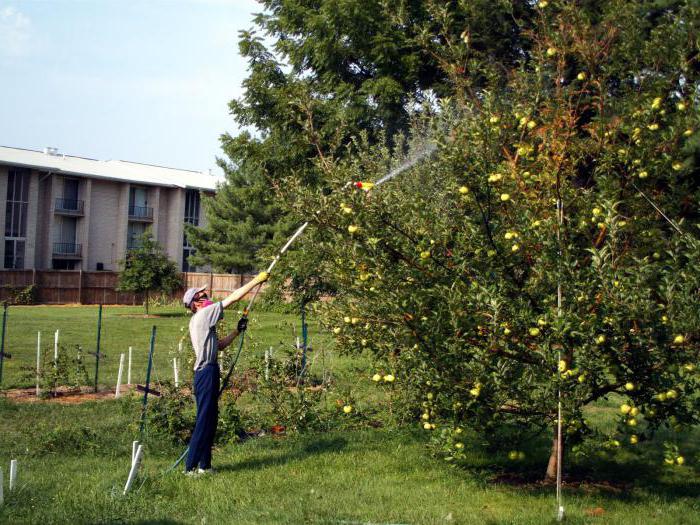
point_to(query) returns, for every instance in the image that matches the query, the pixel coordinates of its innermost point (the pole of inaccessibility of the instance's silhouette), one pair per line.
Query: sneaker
(205, 471)
(193, 473)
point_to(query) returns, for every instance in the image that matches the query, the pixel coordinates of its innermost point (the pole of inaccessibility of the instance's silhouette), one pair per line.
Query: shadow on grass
(157, 522)
(319, 446)
(630, 475)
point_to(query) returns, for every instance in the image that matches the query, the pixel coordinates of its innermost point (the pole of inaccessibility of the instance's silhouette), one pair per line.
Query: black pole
(305, 337)
(148, 380)
(2, 338)
(97, 351)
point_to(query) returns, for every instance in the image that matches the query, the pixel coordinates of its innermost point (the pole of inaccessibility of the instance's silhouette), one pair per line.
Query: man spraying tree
(206, 370)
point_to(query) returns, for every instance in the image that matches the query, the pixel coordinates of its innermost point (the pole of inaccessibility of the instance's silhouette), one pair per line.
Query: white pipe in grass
(134, 469)
(55, 347)
(176, 374)
(128, 372)
(13, 474)
(268, 356)
(38, 363)
(119, 375)
(134, 448)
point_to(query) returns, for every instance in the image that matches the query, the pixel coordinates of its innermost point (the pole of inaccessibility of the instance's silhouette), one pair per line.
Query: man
(206, 369)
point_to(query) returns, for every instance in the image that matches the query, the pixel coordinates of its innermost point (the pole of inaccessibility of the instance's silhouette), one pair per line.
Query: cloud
(15, 32)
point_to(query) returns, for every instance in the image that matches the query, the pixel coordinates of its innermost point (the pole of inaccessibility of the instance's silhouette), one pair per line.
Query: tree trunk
(146, 302)
(551, 474)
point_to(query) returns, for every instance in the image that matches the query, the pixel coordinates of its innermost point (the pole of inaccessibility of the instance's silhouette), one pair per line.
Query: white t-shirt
(203, 334)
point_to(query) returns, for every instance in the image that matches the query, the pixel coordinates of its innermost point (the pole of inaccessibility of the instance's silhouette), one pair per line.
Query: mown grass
(362, 476)
(74, 459)
(126, 326)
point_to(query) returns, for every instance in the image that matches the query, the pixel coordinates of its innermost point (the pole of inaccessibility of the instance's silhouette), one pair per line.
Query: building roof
(119, 170)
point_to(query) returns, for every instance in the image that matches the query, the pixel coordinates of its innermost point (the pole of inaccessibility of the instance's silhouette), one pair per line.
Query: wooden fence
(78, 287)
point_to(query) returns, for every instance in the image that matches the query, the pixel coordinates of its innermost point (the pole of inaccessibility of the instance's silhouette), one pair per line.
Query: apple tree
(550, 243)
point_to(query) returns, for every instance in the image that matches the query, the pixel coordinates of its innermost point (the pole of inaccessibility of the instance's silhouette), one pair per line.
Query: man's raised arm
(237, 295)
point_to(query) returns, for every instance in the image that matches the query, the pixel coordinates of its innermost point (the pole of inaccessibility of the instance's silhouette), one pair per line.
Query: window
(134, 233)
(14, 254)
(16, 217)
(192, 207)
(192, 203)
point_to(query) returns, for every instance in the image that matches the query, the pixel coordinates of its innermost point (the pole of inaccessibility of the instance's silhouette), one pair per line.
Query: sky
(139, 80)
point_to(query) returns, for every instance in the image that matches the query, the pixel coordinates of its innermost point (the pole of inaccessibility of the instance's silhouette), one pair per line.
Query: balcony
(140, 213)
(67, 250)
(71, 207)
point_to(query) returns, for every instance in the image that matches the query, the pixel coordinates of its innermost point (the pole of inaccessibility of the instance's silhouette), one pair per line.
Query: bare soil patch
(64, 395)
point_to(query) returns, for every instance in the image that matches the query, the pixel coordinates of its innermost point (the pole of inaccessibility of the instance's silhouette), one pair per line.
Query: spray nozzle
(364, 185)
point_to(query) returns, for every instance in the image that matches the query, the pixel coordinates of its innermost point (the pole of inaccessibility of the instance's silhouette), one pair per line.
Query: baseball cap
(190, 293)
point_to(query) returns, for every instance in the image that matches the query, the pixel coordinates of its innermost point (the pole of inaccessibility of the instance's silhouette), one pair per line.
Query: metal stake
(148, 381)
(97, 352)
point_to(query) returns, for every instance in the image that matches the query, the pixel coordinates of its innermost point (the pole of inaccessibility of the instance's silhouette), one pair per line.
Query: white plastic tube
(176, 374)
(13, 474)
(134, 449)
(128, 373)
(38, 363)
(119, 375)
(55, 347)
(134, 469)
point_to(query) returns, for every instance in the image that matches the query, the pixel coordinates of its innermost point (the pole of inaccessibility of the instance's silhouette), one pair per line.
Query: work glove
(242, 325)
(262, 277)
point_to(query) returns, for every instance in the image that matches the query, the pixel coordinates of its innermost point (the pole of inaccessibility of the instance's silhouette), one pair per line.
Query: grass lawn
(74, 459)
(124, 326)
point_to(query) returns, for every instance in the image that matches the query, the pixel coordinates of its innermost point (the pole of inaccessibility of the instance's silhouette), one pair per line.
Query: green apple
(505, 197)
(680, 460)
(534, 332)
(376, 377)
(426, 426)
(678, 340)
(634, 439)
(581, 76)
(625, 408)
(336, 330)
(347, 409)
(352, 228)
(551, 51)
(513, 455)
(629, 386)
(463, 190)
(389, 378)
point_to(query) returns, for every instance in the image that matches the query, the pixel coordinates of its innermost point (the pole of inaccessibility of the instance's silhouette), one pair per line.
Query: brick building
(68, 213)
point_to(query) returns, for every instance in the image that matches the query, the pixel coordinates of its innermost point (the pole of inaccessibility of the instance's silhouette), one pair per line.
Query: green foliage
(68, 371)
(332, 71)
(147, 269)
(26, 295)
(451, 272)
(287, 401)
(172, 414)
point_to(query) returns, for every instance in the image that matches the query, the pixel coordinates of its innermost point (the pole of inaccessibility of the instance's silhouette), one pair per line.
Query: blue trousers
(206, 391)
